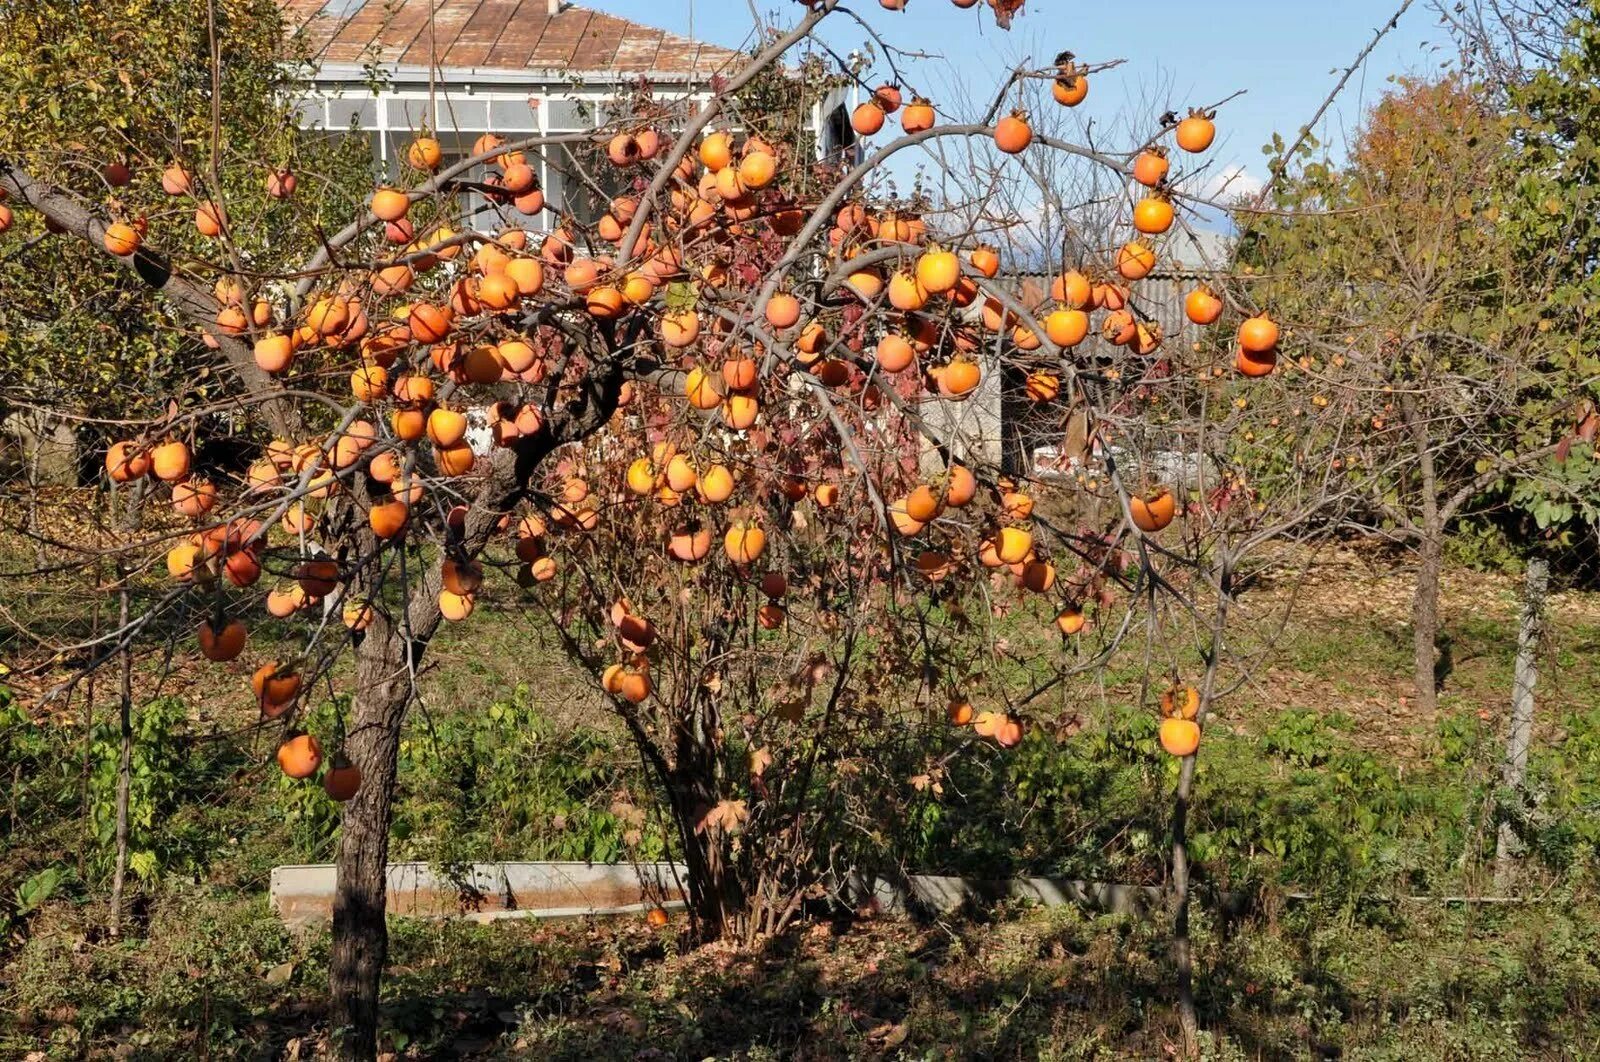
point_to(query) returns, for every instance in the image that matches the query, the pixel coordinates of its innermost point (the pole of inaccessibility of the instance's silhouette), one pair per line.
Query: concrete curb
(488, 892)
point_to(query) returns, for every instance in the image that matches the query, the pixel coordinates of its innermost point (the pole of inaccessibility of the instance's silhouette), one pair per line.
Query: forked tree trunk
(1425, 619)
(360, 936)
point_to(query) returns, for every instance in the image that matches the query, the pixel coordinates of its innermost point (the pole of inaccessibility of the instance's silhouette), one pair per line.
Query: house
(387, 68)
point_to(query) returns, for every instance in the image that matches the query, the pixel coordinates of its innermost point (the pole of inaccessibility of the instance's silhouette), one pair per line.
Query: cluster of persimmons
(739, 295)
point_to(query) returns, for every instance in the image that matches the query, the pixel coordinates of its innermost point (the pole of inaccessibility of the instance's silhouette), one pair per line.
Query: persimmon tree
(714, 462)
(1430, 372)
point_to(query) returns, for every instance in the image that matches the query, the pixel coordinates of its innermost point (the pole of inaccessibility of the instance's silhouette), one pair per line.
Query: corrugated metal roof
(500, 35)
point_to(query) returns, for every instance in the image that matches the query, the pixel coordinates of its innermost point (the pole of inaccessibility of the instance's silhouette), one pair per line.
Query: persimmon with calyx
(867, 118)
(424, 153)
(276, 686)
(917, 116)
(1013, 134)
(744, 543)
(1151, 167)
(1196, 132)
(1070, 87)
(1153, 215)
(1135, 260)
(938, 271)
(1180, 702)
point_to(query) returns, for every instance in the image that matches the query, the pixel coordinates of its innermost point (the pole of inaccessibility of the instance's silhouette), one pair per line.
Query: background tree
(92, 97)
(1427, 365)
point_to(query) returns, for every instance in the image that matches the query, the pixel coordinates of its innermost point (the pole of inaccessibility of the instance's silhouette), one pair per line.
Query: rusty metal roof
(501, 35)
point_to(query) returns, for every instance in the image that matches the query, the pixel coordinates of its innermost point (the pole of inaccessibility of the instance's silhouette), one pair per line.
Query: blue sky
(1282, 52)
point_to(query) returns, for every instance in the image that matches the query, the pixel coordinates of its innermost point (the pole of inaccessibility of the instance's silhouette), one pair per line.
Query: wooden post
(1507, 846)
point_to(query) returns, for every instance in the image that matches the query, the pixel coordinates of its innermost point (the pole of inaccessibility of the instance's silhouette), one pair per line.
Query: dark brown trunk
(1425, 619)
(360, 936)
(702, 856)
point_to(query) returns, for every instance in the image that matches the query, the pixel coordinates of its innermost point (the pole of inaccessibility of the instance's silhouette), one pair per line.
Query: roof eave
(397, 72)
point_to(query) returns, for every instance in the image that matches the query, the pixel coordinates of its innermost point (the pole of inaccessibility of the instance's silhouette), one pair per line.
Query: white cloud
(1229, 183)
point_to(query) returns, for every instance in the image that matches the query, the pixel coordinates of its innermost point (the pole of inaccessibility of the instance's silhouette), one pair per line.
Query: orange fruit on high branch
(745, 543)
(300, 756)
(1070, 87)
(961, 486)
(1012, 134)
(867, 118)
(1196, 132)
(986, 260)
(959, 378)
(716, 151)
(1151, 167)
(918, 116)
(959, 711)
(170, 461)
(125, 462)
(938, 270)
(121, 239)
(1180, 702)
(1066, 327)
(1072, 289)
(895, 353)
(1070, 621)
(194, 497)
(1153, 215)
(1154, 512)
(1180, 737)
(783, 310)
(276, 686)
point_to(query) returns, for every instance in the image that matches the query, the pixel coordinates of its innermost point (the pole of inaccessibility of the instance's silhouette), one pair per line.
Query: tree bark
(1425, 618)
(360, 935)
(1526, 675)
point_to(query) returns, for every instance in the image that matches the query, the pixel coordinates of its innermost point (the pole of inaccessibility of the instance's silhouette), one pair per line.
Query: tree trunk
(124, 760)
(360, 935)
(1526, 675)
(702, 858)
(1425, 619)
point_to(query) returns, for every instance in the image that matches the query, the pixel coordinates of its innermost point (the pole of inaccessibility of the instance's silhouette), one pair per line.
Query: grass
(1319, 776)
(1424, 982)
